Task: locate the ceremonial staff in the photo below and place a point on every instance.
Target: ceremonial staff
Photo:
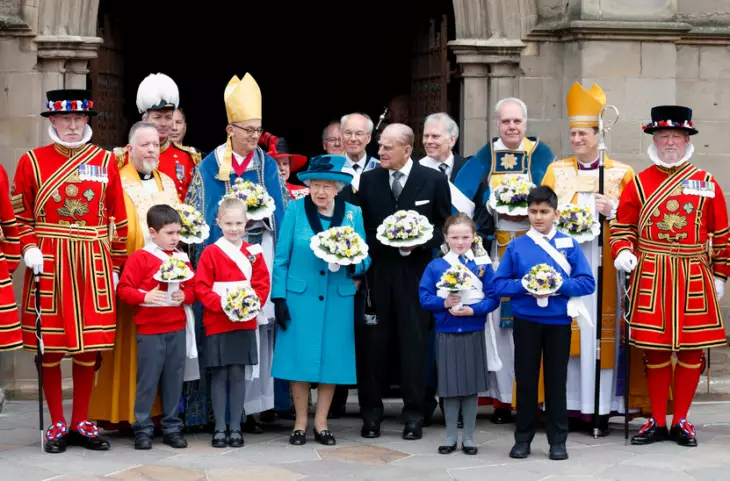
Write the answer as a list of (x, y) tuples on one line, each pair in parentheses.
[(39, 355), (622, 317), (602, 129)]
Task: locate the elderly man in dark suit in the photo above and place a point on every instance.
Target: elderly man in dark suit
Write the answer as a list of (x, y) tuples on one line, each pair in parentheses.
[(400, 184)]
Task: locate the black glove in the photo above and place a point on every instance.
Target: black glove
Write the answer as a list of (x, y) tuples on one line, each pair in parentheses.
[(281, 313)]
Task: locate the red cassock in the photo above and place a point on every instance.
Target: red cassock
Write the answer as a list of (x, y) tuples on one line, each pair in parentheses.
[(675, 222), (10, 332), (216, 266), (70, 204)]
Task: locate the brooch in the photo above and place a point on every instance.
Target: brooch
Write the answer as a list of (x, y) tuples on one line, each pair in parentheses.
[(481, 271), (251, 258), (349, 216)]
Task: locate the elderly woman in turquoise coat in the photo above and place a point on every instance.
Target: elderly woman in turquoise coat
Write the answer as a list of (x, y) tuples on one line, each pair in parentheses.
[(313, 299)]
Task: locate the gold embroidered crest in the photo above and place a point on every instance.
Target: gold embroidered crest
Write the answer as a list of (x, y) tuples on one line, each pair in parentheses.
[(671, 222), (656, 213), (71, 190), (89, 195), (672, 205), (73, 208), (56, 196), (509, 161), (688, 207)]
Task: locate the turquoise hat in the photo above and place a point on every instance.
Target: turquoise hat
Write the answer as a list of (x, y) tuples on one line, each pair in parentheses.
[(326, 167)]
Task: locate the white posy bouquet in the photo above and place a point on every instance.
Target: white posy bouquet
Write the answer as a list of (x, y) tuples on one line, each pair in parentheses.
[(173, 271), (510, 196), (405, 228), (260, 205), (542, 280), (241, 304), (339, 246), (578, 222), (194, 228)]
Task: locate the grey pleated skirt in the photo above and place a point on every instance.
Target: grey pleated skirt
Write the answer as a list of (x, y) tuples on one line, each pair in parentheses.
[(234, 347), (462, 363)]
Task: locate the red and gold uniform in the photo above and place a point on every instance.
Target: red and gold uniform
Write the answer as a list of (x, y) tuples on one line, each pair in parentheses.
[(69, 206), (11, 337), (176, 161), (674, 220), (297, 191)]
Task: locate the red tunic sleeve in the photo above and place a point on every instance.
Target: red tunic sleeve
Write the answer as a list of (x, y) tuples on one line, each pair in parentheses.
[(624, 226), (22, 199), (717, 226), (8, 223)]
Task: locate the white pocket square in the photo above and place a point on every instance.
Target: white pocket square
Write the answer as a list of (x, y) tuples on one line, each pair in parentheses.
[(422, 202)]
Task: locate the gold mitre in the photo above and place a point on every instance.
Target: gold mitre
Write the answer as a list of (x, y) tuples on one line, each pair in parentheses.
[(243, 99), (584, 105)]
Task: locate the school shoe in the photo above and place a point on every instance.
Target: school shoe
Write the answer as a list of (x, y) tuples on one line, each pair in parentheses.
[(143, 441), (558, 452), (471, 450), (684, 434), (520, 450), (650, 433), (235, 439), (446, 449), (220, 439), (87, 435), (175, 440)]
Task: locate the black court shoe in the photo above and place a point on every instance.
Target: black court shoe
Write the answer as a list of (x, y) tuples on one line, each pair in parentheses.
[(298, 438), (324, 437)]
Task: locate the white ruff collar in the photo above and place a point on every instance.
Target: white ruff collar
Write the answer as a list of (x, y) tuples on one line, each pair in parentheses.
[(70, 145), (654, 156)]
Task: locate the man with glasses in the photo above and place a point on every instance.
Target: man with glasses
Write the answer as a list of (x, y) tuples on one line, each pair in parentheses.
[(357, 131), (241, 158), (332, 139)]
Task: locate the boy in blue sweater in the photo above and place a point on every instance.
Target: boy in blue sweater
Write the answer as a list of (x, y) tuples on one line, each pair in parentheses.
[(542, 332)]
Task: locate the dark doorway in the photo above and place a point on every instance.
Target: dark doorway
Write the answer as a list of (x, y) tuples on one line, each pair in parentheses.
[(314, 61)]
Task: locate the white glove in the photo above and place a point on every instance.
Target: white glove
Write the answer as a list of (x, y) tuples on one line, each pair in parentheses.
[(115, 276), (719, 288), (33, 259), (626, 261)]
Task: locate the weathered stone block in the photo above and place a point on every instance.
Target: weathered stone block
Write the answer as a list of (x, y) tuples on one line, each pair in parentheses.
[(611, 59), (704, 12), (24, 90), (658, 60), (715, 62), (628, 10), (553, 99), (614, 88), (716, 164), (547, 63), (644, 93), (549, 132), (17, 130), (624, 138), (532, 92), (688, 62), (707, 99), (572, 60), (475, 135), (14, 58), (712, 138)]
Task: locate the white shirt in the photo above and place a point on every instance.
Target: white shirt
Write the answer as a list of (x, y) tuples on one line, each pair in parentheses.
[(499, 145), (405, 170), (434, 164), (356, 172), (549, 235)]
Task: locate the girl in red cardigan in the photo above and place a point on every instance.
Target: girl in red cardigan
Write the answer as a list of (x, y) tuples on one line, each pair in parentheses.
[(230, 348)]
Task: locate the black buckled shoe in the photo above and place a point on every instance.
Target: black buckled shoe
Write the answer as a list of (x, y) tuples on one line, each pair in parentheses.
[(520, 450), (650, 433), (558, 452), (87, 435), (684, 434), (175, 440), (220, 439), (324, 437), (412, 431), (143, 441), (471, 450), (446, 449), (298, 438), (235, 439), (56, 436)]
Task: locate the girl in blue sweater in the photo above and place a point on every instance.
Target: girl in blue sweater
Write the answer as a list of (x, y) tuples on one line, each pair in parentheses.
[(460, 341)]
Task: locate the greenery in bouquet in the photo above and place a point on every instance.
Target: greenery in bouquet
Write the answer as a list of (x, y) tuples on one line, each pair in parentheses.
[(241, 304), (477, 247), (543, 278), (575, 219), (456, 278), (513, 191), (193, 223), (342, 242), (403, 226), (174, 269)]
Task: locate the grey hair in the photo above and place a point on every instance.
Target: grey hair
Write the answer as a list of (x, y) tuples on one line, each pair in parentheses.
[(142, 124), (344, 118), (338, 183), (452, 130), (326, 129), (507, 100)]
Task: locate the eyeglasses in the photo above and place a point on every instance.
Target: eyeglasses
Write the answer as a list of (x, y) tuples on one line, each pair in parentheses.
[(333, 140), (350, 133), (250, 131)]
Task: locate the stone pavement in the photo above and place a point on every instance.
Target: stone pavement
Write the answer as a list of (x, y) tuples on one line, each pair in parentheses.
[(269, 457)]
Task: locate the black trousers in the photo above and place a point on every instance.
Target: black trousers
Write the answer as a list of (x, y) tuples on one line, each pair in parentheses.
[(400, 316), (551, 343)]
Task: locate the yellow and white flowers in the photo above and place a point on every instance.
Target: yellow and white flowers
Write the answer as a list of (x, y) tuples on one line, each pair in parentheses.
[(260, 205), (542, 279), (341, 246), (405, 228), (241, 303), (578, 222), (174, 270), (510, 196), (194, 228)]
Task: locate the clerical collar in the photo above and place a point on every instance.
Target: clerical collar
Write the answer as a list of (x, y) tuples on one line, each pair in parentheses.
[(591, 166), (145, 176)]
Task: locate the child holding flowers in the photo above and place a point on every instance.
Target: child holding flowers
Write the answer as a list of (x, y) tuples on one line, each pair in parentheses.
[(160, 321), (459, 289), (542, 263), (232, 284)]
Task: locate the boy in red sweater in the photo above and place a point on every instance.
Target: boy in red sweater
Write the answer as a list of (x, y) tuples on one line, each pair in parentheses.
[(160, 328), (230, 347)]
